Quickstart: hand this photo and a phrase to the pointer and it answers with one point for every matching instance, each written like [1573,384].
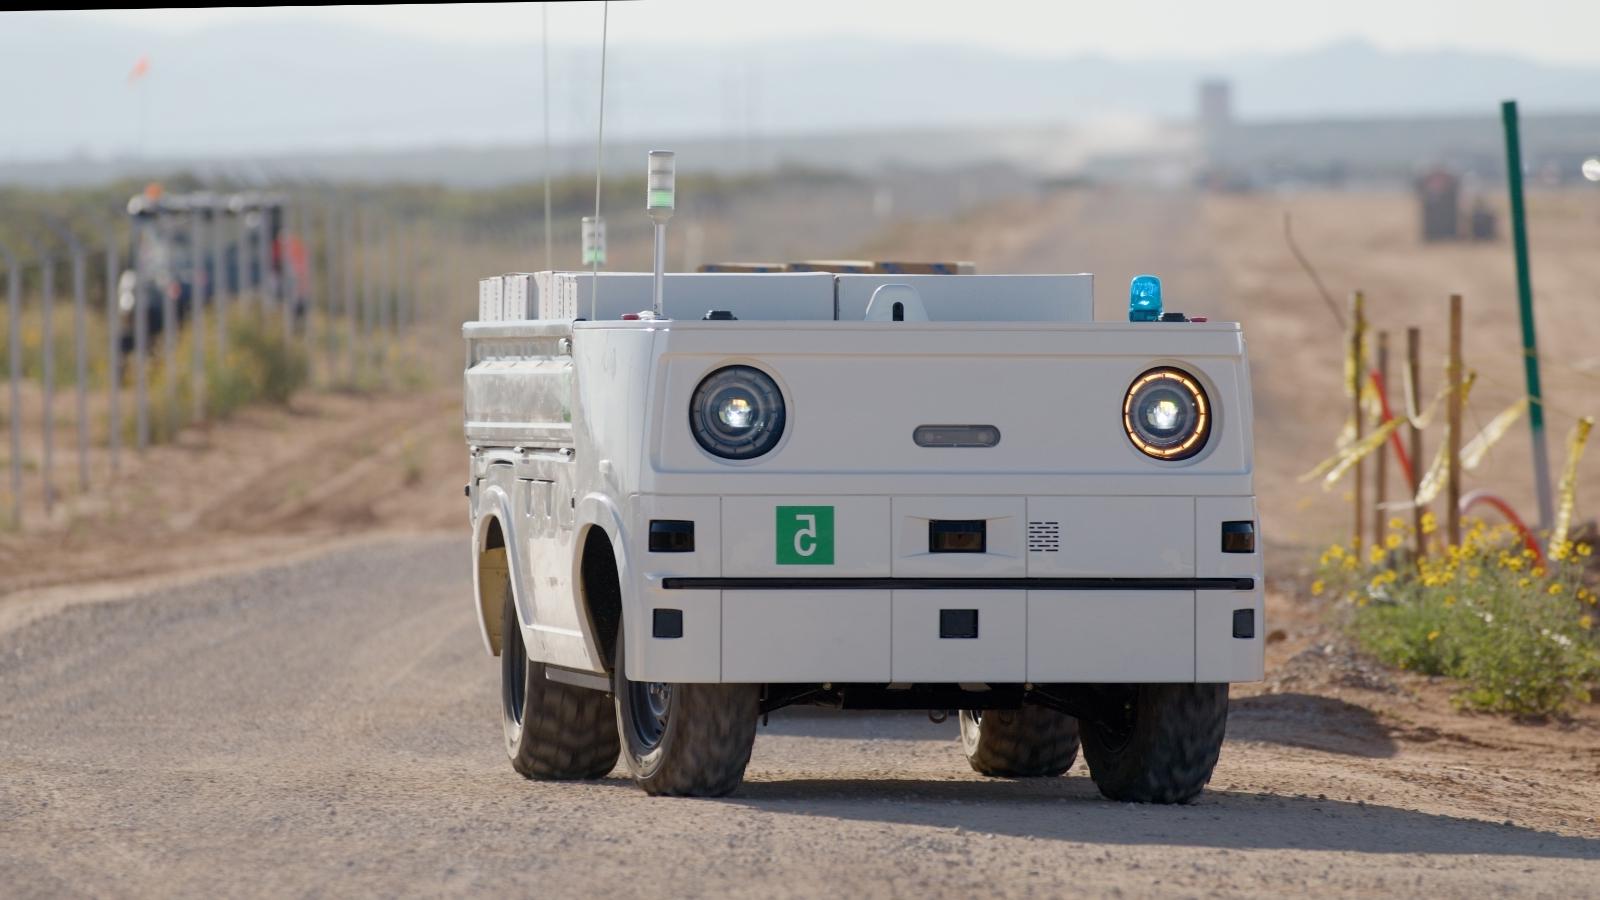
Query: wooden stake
[1453,450]
[1358,363]
[1380,459]
[1414,366]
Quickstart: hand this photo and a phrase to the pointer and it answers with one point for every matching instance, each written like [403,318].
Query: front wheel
[688,740]
[553,731]
[1155,743]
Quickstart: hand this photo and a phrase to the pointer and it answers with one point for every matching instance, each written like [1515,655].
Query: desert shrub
[261,365]
[1517,631]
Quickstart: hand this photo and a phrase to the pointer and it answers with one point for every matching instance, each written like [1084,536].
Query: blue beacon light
[1144,299]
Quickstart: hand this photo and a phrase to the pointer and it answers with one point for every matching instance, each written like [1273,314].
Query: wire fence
[180,310]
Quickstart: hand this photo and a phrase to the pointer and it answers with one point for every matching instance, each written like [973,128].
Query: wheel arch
[600,569]
[492,571]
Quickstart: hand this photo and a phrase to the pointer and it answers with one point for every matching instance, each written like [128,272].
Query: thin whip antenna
[544,35]
[599,158]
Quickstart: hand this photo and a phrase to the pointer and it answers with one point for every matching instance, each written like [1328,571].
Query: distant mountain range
[259,91]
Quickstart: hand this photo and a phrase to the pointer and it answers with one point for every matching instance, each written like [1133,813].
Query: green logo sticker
[805,535]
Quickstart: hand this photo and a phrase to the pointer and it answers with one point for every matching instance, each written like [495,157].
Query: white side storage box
[519,299]
[557,299]
[490,292]
[980,298]
[772,297]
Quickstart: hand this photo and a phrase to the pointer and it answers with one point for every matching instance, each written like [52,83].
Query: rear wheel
[1155,743]
[691,740]
[552,730]
[1019,743]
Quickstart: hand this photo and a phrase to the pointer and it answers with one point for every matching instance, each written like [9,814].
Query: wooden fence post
[1358,365]
[1414,403]
[1380,458]
[1453,449]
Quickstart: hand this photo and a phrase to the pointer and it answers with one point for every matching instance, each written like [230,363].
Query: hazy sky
[1550,30]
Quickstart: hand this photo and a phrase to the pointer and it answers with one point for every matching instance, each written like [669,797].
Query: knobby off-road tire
[553,731]
[1156,743]
[684,740]
[1030,742]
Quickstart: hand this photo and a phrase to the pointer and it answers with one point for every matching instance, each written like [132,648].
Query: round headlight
[737,413]
[1166,414]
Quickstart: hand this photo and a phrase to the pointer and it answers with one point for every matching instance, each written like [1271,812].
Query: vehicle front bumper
[1068,589]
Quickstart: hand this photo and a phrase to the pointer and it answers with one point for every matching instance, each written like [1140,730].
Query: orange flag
[141,68]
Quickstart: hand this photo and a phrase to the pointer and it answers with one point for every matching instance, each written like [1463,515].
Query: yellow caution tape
[1477,448]
[1433,482]
[1334,467]
[1568,493]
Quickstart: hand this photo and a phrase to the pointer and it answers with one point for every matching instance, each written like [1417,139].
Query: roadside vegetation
[1520,632]
[261,366]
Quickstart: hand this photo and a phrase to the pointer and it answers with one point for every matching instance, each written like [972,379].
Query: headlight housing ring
[1166,414]
[737,412]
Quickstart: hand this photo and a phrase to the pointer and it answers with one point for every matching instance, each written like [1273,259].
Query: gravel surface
[329,728]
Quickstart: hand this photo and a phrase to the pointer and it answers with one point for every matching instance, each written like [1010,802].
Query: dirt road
[325,724]
[329,727]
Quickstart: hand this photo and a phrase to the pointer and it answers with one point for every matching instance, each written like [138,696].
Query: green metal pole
[1530,341]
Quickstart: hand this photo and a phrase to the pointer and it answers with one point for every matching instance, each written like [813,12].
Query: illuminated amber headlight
[1166,414]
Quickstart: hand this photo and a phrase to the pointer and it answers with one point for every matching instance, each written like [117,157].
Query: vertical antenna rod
[544,35]
[599,157]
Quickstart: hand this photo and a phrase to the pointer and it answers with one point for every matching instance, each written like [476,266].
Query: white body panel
[580,426]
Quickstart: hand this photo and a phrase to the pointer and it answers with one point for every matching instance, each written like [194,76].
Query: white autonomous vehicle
[698,498]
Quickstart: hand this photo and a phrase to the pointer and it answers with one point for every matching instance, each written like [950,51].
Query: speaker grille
[1044,537]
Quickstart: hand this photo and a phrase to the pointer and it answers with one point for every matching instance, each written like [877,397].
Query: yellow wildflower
[1430,523]
[1558,550]
[1554,590]
[1396,523]
[1537,572]
[1336,551]
[1472,573]
[1316,588]
[1449,600]
[1376,554]
[1524,582]
[1433,635]
[1584,549]
[1585,622]
[1392,541]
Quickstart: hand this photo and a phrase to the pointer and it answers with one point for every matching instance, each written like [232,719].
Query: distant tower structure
[1215,122]
[1216,106]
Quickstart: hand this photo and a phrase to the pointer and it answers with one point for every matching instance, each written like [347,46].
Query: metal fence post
[332,273]
[141,358]
[287,289]
[80,348]
[197,318]
[368,287]
[113,345]
[14,353]
[308,228]
[169,362]
[221,284]
[352,227]
[47,265]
